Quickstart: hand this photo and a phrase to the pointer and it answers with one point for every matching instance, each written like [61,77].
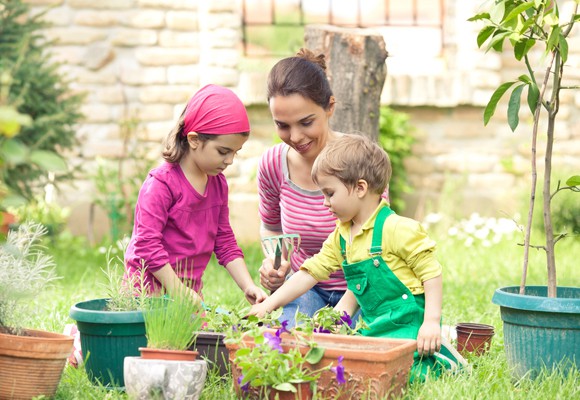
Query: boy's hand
[254,294]
[429,338]
[269,277]
[259,310]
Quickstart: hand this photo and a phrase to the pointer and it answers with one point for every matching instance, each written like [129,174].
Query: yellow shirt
[407,250]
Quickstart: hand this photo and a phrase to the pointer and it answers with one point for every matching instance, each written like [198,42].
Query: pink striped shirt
[287,208]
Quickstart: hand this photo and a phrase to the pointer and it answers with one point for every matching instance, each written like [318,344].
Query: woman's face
[301,123]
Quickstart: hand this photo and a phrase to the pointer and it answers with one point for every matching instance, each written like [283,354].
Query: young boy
[388,260]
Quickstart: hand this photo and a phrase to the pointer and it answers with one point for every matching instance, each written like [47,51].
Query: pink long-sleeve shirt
[175,224]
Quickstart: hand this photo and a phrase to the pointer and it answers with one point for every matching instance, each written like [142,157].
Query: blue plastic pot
[540,332]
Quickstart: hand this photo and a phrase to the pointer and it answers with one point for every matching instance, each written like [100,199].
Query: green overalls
[387,306]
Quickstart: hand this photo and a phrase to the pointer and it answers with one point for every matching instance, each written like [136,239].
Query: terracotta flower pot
[31,365]
[373,367]
[474,338]
[165,354]
[303,392]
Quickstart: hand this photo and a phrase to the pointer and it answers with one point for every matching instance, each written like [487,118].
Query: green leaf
[495,97]
[563,44]
[14,152]
[553,39]
[525,79]
[12,200]
[533,96]
[484,34]
[573,180]
[514,108]
[314,355]
[496,42]
[551,19]
[497,12]
[48,160]
[526,25]
[11,121]
[244,351]
[285,387]
[479,16]
[517,11]
[523,47]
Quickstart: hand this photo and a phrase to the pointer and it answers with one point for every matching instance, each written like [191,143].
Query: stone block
[244,216]
[44,2]
[151,112]
[182,20]
[169,4]
[97,18]
[107,75]
[418,165]
[134,37]
[219,76]
[132,74]
[169,94]
[466,162]
[224,38]
[215,21]
[146,19]
[97,55]
[96,113]
[102,148]
[102,4]
[68,54]
[157,131]
[188,74]
[228,58]
[58,17]
[110,94]
[96,132]
[178,39]
[171,56]
[75,35]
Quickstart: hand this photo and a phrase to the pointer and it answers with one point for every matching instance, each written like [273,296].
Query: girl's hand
[269,277]
[429,338]
[254,294]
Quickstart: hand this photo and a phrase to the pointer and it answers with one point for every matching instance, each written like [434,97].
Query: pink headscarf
[215,110]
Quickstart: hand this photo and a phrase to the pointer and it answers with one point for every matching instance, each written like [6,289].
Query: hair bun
[307,54]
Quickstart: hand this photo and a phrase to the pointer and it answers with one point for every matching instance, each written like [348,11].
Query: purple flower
[320,330]
[283,329]
[246,386]
[274,341]
[345,319]
[339,371]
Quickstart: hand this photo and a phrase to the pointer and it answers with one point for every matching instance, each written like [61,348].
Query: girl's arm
[298,284]
[172,284]
[429,336]
[238,270]
[347,303]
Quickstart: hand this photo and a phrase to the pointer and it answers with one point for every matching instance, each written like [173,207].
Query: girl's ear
[362,188]
[193,140]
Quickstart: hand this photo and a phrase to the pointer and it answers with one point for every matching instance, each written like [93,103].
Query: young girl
[388,261]
[182,214]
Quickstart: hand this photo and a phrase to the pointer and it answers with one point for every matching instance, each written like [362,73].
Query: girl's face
[214,156]
[301,123]
[343,203]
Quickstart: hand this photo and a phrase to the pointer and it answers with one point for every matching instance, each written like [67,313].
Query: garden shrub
[395,136]
[36,89]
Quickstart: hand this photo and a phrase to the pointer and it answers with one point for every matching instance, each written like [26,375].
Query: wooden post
[356,70]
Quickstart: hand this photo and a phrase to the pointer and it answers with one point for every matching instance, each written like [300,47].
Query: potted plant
[111,328]
[262,368]
[31,361]
[166,365]
[541,323]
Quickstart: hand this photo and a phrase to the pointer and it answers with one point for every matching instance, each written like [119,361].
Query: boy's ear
[362,188]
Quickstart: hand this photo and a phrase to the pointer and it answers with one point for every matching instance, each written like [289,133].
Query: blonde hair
[352,157]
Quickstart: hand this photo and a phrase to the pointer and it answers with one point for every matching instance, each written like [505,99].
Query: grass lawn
[471,274]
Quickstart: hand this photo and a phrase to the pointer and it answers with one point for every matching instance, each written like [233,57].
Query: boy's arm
[298,284]
[429,336]
[238,270]
[347,303]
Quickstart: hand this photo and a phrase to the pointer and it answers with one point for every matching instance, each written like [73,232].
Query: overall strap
[377,243]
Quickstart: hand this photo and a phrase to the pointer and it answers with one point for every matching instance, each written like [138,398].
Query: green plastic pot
[540,332]
[107,337]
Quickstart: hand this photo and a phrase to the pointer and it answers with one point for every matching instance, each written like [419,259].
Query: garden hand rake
[274,246]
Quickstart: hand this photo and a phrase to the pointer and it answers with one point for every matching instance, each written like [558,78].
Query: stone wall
[140,60]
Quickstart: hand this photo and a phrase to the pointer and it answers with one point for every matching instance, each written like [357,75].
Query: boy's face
[343,203]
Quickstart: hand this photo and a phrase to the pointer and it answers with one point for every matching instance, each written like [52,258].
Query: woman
[301,103]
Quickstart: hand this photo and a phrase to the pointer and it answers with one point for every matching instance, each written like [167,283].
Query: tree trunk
[356,70]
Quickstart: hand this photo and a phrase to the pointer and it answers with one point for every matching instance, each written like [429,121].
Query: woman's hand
[270,278]
[429,338]
[254,294]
